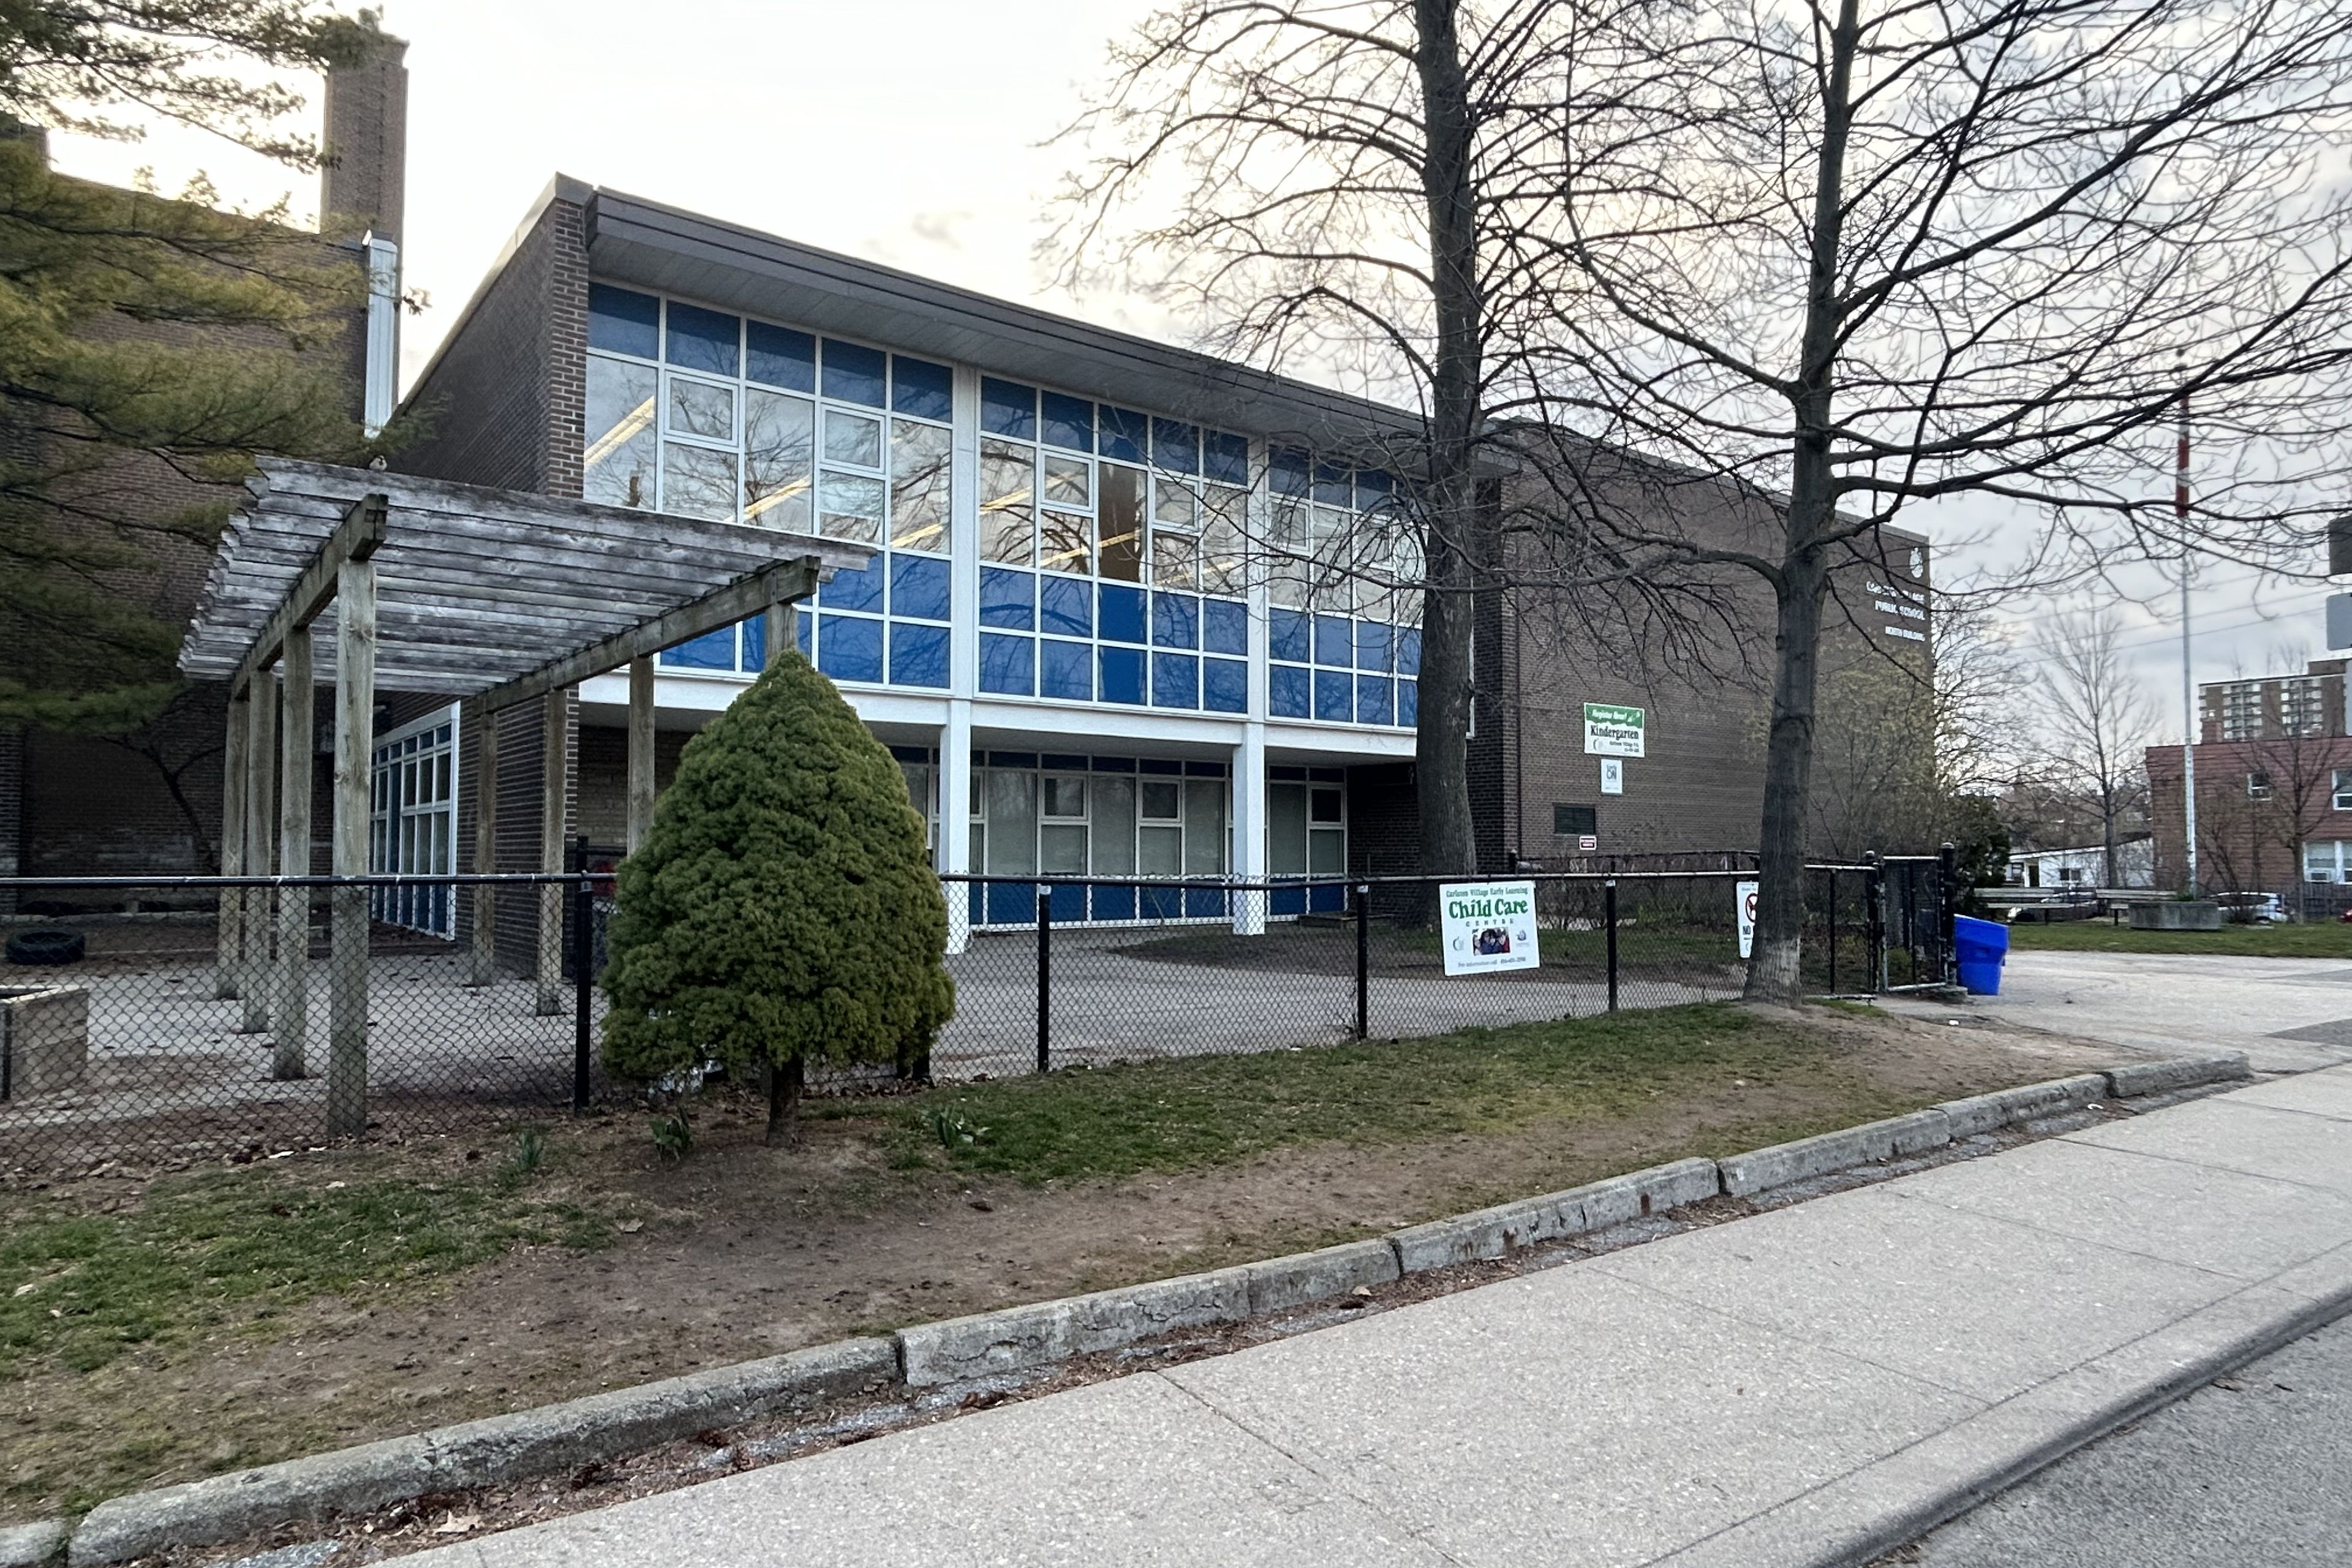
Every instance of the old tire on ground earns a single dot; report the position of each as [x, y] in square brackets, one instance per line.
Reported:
[45, 945]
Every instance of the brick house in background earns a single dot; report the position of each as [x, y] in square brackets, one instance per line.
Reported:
[77, 805]
[2273, 785]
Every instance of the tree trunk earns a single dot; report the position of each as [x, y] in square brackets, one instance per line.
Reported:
[1773, 972]
[784, 1104]
[1448, 842]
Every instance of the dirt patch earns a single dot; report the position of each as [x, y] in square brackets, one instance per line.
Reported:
[744, 1251]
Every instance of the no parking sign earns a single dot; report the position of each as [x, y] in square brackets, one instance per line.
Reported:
[1744, 895]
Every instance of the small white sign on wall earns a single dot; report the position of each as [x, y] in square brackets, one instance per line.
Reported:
[1744, 893]
[1487, 926]
[1613, 776]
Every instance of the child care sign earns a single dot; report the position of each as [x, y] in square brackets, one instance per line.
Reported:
[1487, 926]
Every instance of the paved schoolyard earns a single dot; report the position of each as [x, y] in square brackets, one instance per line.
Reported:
[2287, 1014]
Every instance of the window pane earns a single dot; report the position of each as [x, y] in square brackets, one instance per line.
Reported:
[1225, 686]
[857, 590]
[1066, 606]
[852, 373]
[618, 463]
[1331, 486]
[919, 487]
[1122, 433]
[922, 388]
[1160, 850]
[1007, 598]
[918, 587]
[699, 408]
[702, 340]
[1114, 840]
[1069, 422]
[1289, 634]
[1335, 696]
[1335, 643]
[851, 438]
[1008, 489]
[1176, 445]
[622, 320]
[1011, 801]
[1069, 482]
[698, 482]
[1121, 528]
[1066, 796]
[1121, 613]
[711, 650]
[1175, 561]
[779, 356]
[1327, 852]
[1005, 665]
[918, 655]
[849, 647]
[1122, 675]
[1175, 620]
[1225, 626]
[1175, 680]
[1204, 826]
[1226, 458]
[778, 433]
[1063, 851]
[1065, 542]
[1008, 408]
[849, 506]
[1286, 470]
[1066, 670]
[1224, 541]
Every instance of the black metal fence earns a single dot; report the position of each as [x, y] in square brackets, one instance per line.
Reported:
[184, 1027]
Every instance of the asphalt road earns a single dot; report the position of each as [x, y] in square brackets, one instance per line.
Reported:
[2254, 1472]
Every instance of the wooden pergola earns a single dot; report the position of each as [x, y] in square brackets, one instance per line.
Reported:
[494, 598]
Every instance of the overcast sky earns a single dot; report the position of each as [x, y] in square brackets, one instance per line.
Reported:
[908, 132]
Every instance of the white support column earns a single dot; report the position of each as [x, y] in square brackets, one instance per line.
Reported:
[260, 839]
[483, 968]
[556, 711]
[1249, 829]
[954, 853]
[641, 739]
[347, 985]
[229, 919]
[298, 702]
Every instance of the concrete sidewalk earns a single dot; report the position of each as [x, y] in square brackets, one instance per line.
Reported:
[1812, 1386]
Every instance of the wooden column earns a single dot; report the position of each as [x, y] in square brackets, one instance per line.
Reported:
[299, 700]
[229, 922]
[778, 627]
[484, 969]
[641, 752]
[253, 985]
[556, 707]
[347, 1040]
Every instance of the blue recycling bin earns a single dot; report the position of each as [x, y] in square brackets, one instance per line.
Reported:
[1980, 946]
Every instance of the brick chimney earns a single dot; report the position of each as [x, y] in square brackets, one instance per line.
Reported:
[365, 179]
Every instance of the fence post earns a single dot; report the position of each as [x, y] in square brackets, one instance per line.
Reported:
[583, 953]
[1361, 894]
[1874, 899]
[1045, 979]
[1609, 925]
[1830, 877]
[1947, 904]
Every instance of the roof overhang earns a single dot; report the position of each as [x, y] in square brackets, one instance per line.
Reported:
[489, 594]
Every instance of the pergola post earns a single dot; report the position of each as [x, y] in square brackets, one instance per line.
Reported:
[260, 837]
[298, 696]
[229, 922]
[641, 750]
[485, 954]
[347, 1046]
[556, 709]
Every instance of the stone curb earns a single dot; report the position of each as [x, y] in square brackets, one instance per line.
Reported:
[2029, 1102]
[32, 1545]
[605, 1425]
[2180, 1073]
[1870, 1143]
[473, 1453]
[1491, 1233]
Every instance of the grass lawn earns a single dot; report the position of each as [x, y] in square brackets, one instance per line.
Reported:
[155, 1328]
[2314, 939]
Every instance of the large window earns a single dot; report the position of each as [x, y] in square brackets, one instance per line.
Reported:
[2328, 860]
[1344, 623]
[1114, 554]
[1044, 814]
[705, 414]
[2342, 789]
[413, 824]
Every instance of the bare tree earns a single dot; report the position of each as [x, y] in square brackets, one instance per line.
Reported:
[2096, 722]
[1887, 253]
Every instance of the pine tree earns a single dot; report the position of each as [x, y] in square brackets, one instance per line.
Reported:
[783, 912]
[148, 345]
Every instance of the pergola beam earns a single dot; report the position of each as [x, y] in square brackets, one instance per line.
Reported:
[780, 581]
[356, 537]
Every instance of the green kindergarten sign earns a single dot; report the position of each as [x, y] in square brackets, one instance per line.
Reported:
[1611, 731]
[1487, 926]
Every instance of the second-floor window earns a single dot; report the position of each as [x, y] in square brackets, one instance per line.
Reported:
[2258, 786]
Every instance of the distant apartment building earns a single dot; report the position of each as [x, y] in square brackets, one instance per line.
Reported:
[2273, 769]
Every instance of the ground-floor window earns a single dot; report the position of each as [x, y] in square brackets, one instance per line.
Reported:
[2328, 860]
[1307, 835]
[413, 825]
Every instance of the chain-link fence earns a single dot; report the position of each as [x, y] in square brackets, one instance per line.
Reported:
[190, 1017]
